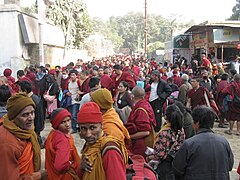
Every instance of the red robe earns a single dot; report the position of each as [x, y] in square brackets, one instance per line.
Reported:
[147, 96]
[206, 63]
[197, 97]
[85, 87]
[11, 79]
[16, 87]
[125, 76]
[219, 96]
[138, 121]
[64, 83]
[229, 90]
[163, 77]
[109, 167]
[106, 82]
[113, 155]
[61, 155]
[177, 80]
[136, 70]
[31, 76]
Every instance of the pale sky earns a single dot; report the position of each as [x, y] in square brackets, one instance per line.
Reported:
[199, 11]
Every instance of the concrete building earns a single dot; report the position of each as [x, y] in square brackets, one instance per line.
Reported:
[19, 39]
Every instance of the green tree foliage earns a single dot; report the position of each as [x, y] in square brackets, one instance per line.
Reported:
[236, 11]
[72, 17]
[154, 46]
[131, 29]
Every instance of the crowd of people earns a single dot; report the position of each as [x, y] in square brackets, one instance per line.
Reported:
[121, 106]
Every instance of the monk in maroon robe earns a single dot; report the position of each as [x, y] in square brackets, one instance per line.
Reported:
[219, 95]
[219, 98]
[196, 96]
[123, 76]
[141, 119]
[233, 113]
[8, 74]
[84, 81]
[176, 78]
[106, 81]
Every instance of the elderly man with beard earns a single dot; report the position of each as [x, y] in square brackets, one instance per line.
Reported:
[103, 156]
[20, 151]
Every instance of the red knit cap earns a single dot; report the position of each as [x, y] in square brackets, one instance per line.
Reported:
[58, 115]
[89, 113]
[7, 72]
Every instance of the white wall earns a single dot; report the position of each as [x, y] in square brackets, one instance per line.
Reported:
[11, 44]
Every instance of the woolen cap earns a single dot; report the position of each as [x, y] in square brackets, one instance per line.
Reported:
[7, 72]
[89, 113]
[17, 103]
[58, 115]
[103, 98]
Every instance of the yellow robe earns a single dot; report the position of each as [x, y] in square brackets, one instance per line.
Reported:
[112, 125]
[94, 154]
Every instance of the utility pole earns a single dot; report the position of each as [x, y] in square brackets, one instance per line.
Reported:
[145, 28]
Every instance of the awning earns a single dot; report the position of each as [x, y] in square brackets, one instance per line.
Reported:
[213, 25]
[51, 35]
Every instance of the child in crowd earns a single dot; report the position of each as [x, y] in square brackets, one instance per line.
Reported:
[61, 157]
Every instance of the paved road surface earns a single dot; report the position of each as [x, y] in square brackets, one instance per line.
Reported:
[233, 140]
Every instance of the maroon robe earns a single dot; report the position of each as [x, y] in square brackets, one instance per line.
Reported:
[31, 76]
[163, 77]
[233, 109]
[11, 79]
[136, 70]
[64, 83]
[16, 87]
[107, 82]
[177, 80]
[7, 73]
[85, 87]
[125, 76]
[219, 95]
[138, 121]
[197, 97]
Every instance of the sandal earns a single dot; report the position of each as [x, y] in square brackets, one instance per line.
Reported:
[229, 132]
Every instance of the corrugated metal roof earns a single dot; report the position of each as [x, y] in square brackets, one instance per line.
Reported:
[214, 25]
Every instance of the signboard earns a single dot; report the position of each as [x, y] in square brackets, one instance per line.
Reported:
[181, 42]
[225, 35]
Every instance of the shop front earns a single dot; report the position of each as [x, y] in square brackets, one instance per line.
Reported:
[218, 40]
